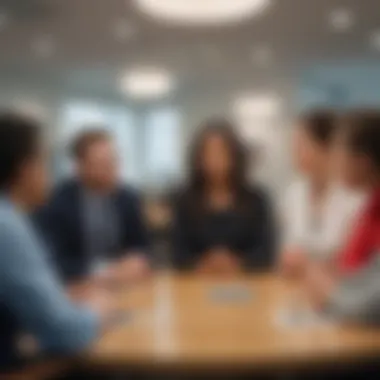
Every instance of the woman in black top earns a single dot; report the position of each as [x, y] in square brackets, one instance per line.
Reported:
[221, 224]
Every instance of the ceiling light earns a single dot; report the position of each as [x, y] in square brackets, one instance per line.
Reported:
[341, 19]
[147, 83]
[202, 12]
[44, 46]
[256, 105]
[375, 40]
[123, 30]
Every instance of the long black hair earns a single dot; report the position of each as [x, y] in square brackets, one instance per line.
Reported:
[197, 179]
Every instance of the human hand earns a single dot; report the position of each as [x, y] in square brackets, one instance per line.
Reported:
[108, 277]
[133, 268]
[319, 284]
[219, 261]
[293, 263]
[103, 304]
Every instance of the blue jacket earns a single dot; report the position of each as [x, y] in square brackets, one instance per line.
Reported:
[32, 299]
[62, 225]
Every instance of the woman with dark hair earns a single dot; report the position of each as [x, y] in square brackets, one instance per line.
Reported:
[318, 211]
[222, 225]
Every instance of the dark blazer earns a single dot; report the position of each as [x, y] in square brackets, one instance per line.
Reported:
[249, 232]
[61, 224]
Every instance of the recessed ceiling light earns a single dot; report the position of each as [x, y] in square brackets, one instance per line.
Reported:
[147, 83]
[44, 46]
[375, 40]
[262, 55]
[256, 105]
[205, 12]
[4, 19]
[124, 30]
[341, 19]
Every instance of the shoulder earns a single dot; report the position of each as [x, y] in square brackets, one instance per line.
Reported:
[128, 197]
[296, 188]
[61, 199]
[128, 192]
[8, 217]
[21, 252]
[346, 200]
[65, 189]
[294, 194]
[12, 224]
[259, 194]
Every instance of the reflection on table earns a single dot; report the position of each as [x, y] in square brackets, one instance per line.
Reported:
[178, 324]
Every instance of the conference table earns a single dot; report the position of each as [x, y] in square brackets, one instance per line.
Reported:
[189, 323]
[183, 323]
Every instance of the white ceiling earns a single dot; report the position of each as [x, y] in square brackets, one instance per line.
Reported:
[82, 46]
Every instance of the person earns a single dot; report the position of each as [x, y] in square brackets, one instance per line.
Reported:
[351, 293]
[319, 211]
[93, 222]
[222, 225]
[32, 299]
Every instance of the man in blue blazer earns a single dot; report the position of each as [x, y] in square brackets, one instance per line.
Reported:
[94, 224]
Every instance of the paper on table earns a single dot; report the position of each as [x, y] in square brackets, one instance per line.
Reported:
[301, 317]
[230, 293]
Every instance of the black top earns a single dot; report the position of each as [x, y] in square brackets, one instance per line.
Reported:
[61, 223]
[248, 231]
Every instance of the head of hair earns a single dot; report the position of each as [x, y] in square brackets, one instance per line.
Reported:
[87, 139]
[320, 125]
[361, 131]
[19, 140]
[238, 176]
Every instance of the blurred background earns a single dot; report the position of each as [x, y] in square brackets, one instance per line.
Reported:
[153, 70]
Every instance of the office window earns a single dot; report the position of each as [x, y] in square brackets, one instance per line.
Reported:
[163, 161]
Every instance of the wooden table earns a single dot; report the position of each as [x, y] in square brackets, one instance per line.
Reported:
[175, 326]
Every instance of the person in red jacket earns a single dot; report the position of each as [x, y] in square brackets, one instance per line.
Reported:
[357, 151]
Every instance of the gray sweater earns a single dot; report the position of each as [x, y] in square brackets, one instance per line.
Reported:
[357, 298]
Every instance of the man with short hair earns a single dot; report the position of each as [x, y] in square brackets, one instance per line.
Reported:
[93, 223]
